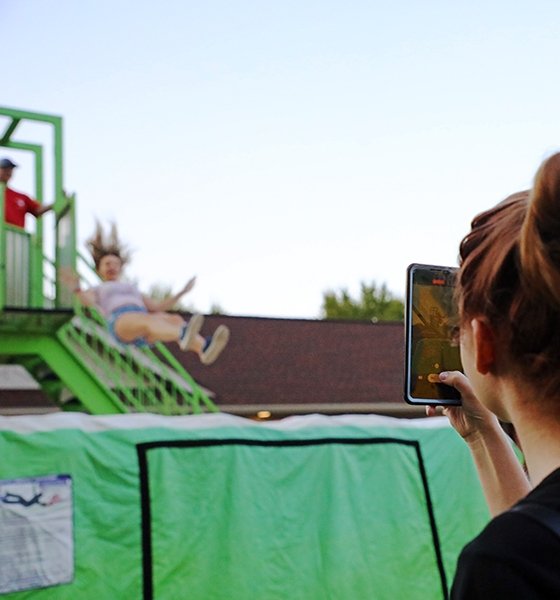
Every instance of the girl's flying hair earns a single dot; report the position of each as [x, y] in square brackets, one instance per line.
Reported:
[102, 244]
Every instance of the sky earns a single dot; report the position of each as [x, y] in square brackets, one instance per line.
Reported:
[279, 150]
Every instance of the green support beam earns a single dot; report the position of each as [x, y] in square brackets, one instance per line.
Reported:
[82, 383]
[9, 131]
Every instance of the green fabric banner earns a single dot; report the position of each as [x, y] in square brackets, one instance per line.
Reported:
[216, 507]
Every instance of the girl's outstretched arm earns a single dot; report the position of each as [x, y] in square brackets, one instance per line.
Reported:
[72, 281]
[169, 302]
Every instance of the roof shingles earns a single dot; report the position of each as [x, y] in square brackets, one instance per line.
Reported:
[293, 361]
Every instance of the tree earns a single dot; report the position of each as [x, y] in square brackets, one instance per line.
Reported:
[375, 304]
[216, 309]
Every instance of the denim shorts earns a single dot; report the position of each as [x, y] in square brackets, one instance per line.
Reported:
[121, 310]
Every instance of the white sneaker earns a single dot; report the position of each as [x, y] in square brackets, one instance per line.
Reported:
[217, 344]
[191, 331]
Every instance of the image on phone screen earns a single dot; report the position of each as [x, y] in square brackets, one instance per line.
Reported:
[432, 340]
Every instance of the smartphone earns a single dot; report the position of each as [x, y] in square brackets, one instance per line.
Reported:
[432, 335]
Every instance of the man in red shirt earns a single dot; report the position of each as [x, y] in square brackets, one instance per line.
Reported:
[17, 205]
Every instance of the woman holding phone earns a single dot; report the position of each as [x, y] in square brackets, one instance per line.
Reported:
[508, 293]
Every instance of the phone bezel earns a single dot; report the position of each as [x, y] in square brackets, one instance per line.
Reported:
[408, 338]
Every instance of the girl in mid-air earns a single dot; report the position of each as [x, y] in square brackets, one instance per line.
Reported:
[134, 318]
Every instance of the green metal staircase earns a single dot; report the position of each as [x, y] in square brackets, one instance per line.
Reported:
[65, 347]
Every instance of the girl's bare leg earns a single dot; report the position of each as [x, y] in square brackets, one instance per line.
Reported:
[154, 327]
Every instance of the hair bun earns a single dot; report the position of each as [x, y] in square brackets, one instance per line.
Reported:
[539, 243]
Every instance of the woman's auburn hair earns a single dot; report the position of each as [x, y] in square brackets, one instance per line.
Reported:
[510, 274]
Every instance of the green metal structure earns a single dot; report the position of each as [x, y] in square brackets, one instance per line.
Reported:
[65, 347]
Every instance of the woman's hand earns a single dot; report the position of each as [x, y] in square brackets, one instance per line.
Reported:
[503, 481]
[471, 419]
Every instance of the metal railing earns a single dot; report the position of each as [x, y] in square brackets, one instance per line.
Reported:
[17, 277]
[147, 379]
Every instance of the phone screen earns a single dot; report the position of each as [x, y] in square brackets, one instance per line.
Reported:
[432, 340]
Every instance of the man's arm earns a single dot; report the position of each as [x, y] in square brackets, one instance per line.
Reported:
[33, 207]
[43, 208]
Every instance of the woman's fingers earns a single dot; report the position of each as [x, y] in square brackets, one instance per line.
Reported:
[472, 414]
[460, 382]
[432, 411]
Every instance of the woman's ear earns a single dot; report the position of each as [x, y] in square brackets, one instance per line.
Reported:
[484, 343]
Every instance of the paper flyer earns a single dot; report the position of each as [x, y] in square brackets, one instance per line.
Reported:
[36, 532]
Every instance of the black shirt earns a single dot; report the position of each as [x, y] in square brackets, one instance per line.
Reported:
[515, 557]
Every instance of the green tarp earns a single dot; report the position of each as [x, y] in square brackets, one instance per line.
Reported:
[216, 507]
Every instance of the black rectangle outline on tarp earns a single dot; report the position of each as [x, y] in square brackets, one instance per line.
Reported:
[145, 507]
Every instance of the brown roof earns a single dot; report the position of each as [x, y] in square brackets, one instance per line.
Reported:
[288, 366]
[21, 402]
[294, 365]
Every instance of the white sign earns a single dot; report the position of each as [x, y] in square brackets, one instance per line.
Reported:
[36, 535]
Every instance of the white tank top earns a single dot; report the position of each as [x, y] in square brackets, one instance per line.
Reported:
[111, 295]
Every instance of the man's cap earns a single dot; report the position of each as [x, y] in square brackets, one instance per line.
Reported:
[6, 163]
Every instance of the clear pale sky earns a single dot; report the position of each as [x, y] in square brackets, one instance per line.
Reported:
[281, 149]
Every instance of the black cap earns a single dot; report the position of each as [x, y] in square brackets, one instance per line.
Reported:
[6, 163]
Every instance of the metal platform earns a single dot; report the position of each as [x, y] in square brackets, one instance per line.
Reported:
[33, 320]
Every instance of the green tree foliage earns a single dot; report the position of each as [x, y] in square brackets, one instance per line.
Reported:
[375, 303]
[216, 309]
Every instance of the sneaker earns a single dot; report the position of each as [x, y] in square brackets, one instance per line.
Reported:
[217, 344]
[190, 331]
